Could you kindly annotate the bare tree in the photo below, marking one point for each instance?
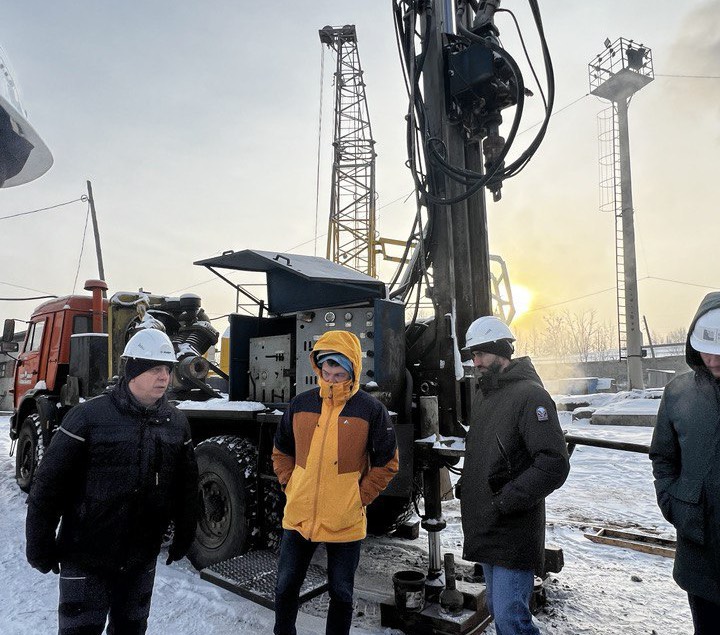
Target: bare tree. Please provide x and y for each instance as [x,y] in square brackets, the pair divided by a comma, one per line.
[569,336]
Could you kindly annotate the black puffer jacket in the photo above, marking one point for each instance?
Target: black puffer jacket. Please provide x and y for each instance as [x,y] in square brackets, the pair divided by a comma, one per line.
[515,456]
[116,473]
[685,452]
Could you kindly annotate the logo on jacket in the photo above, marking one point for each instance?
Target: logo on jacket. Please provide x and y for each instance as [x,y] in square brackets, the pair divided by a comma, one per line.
[542,413]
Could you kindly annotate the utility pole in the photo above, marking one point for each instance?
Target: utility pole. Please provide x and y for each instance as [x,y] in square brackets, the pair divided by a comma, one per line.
[616,74]
[96,232]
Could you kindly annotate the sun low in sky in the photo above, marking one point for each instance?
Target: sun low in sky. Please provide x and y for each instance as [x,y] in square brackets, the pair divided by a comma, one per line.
[522,300]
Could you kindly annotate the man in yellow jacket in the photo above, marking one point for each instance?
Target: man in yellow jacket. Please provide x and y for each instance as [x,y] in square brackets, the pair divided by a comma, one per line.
[335,451]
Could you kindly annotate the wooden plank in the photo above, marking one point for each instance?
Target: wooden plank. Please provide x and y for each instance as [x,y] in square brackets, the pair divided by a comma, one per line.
[646,543]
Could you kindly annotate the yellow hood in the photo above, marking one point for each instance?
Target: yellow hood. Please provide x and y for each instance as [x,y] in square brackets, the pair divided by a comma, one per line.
[345,343]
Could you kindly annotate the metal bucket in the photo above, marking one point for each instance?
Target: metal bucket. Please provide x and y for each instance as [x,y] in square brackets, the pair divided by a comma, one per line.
[409,590]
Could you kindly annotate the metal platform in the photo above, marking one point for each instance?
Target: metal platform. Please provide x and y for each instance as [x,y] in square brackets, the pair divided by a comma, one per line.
[431,621]
[253,576]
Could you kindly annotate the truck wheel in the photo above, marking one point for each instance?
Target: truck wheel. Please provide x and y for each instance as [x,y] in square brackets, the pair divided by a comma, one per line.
[274,507]
[30,451]
[227,491]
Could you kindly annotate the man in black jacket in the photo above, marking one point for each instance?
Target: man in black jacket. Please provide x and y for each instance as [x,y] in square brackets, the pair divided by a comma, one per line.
[685,454]
[119,469]
[515,456]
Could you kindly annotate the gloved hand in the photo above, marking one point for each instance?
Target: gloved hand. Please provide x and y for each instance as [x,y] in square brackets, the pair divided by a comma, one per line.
[458,489]
[45,566]
[173,555]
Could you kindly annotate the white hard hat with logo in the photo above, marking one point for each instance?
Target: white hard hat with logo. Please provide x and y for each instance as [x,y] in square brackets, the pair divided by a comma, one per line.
[705,337]
[23,154]
[486,329]
[150,344]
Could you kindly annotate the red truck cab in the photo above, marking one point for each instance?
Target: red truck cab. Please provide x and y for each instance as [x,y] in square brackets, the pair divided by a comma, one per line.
[42,371]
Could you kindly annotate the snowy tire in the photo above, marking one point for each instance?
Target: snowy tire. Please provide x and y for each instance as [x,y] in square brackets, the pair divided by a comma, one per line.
[227,491]
[273,509]
[29,452]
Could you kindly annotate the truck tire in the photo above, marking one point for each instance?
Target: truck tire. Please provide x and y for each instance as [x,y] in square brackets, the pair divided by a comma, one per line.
[227,491]
[29,452]
[273,510]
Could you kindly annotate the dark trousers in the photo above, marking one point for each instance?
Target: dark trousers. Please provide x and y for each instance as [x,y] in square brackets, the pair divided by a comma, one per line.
[705,615]
[87,598]
[295,556]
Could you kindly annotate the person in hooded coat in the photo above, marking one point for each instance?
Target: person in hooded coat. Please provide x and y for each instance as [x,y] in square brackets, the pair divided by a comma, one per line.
[334,452]
[515,456]
[685,455]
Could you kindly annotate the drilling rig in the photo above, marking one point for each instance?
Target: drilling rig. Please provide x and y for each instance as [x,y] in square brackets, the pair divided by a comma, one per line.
[460,80]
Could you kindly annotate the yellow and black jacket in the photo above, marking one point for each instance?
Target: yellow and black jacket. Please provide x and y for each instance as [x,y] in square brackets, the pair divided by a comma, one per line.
[335,451]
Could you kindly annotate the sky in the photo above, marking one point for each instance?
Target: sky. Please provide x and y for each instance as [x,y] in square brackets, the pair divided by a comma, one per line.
[197,124]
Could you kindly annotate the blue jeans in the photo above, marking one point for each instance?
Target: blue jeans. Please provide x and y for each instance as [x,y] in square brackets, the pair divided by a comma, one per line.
[508,595]
[295,556]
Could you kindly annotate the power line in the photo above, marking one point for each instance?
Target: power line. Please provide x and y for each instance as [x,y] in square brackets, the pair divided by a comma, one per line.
[17,286]
[82,248]
[588,295]
[690,76]
[557,112]
[687,284]
[582,297]
[36,297]
[44,209]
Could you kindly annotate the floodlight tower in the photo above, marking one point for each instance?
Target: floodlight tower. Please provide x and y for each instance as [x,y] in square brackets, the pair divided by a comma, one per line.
[616,74]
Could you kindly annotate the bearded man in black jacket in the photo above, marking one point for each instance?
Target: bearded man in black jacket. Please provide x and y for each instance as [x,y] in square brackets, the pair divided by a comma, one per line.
[515,456]
[119,469]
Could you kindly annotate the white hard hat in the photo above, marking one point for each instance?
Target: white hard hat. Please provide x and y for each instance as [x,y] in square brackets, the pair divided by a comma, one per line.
[23,153]
[705,337]
[487,329]
[150,344]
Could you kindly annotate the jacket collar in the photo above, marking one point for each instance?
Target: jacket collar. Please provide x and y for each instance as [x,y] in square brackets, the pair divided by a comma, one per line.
[126,402]
[337,393]
[519,369]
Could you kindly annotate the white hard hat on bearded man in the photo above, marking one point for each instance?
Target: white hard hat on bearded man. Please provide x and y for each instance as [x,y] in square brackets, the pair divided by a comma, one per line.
[486,329]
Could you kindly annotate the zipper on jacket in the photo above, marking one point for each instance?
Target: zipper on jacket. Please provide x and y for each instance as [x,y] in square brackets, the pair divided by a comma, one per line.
[504,454]
[157,464]
[320,462]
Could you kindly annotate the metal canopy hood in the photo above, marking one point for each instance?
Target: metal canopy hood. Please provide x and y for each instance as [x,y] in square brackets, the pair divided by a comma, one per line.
[298,283]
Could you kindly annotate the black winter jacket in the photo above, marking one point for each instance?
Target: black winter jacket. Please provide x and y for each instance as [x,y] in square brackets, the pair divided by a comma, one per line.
[116,473]
[685,452]
[515,456]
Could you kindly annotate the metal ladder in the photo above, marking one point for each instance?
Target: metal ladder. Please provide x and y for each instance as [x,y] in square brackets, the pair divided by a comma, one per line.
[611,201]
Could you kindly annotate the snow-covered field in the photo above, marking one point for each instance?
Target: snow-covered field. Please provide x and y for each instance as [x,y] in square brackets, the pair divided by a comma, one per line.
[602,590]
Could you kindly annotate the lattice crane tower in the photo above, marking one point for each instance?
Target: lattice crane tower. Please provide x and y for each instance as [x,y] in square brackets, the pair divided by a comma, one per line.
[351,229]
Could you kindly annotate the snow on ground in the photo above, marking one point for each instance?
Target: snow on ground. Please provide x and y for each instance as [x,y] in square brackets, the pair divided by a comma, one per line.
[221,404]
[602,590]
